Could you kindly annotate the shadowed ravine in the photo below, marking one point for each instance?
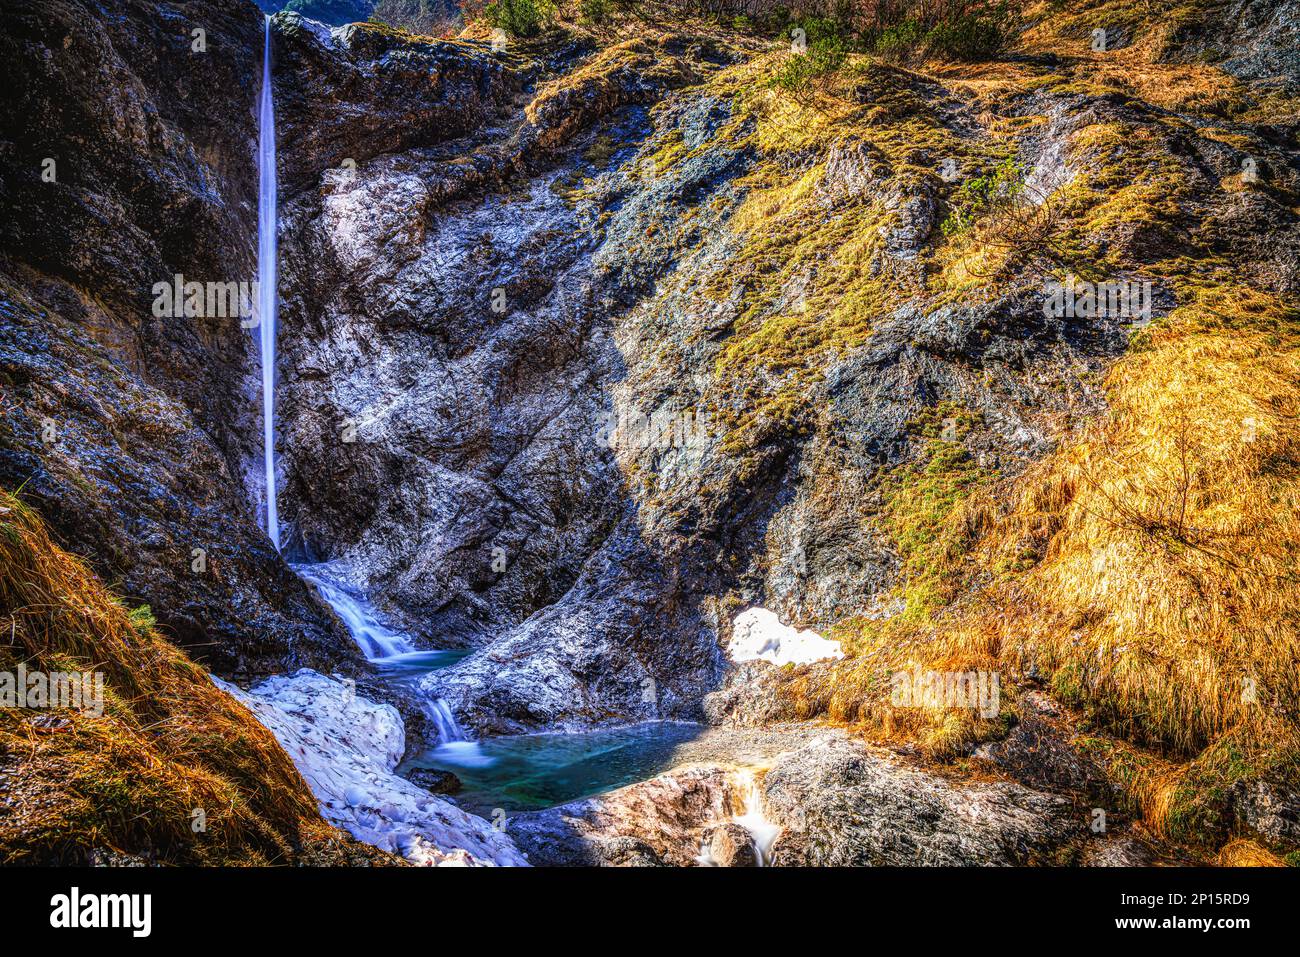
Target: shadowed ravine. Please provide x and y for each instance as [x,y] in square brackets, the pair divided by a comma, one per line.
[669,434]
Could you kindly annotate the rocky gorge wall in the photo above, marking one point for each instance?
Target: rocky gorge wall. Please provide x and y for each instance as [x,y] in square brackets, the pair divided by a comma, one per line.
[593,341]
[130,159]
[522,398]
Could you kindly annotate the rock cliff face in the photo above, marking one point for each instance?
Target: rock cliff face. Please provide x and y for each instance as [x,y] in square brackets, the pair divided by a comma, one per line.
[511,402]
[589,343]
[129,142]
[447,378]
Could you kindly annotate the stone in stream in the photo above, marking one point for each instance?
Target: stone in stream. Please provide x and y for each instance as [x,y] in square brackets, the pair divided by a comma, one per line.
[655,823]
[435,781]
[730,845]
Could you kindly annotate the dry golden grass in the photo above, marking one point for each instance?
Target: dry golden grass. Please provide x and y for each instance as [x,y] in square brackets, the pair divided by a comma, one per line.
[1161,592]
[1168,588]
[168,742]
[1243,853]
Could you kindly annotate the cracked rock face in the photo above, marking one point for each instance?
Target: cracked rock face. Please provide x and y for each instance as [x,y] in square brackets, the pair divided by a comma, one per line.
[497,404]
[135,433]
[840,804]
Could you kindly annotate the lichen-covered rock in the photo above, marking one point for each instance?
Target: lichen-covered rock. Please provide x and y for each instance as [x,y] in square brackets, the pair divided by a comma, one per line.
[840,803]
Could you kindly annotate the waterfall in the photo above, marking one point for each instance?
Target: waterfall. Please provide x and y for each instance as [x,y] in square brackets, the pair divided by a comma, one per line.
[439,714]
[744,783]
[379,643]
[386,648]
[266,286]
[754,819]
[375,640]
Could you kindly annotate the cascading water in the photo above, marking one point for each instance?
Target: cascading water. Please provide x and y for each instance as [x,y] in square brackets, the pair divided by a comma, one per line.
[392,652]
[754,820]
[381,645]
[375,640]
[266,280]
[763,832]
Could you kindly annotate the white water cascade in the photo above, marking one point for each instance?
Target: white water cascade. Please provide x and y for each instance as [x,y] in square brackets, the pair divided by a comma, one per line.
[266,280]
[754,820]
[388,649]
[376,641]
[762,831]
[379,643]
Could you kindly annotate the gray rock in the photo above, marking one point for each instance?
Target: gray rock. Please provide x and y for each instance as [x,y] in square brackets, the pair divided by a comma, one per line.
[434,781]
[1120,851]
[1270,809]
[730,845]
[656,822]
[840,803]
[1039,752]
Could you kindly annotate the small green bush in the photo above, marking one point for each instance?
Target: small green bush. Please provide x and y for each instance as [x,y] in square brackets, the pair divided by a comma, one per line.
[519,18]
[982,196]
[966,38]
[900,41]
[979,34]
[595,11]
[804,74]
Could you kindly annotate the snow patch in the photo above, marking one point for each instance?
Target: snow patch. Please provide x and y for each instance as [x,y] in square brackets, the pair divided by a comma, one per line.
[758,635]
[346,748]
[325,35]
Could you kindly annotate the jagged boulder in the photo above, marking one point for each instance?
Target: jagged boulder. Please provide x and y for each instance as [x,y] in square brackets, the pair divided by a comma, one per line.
[660,822]
[730,845]
[840,803]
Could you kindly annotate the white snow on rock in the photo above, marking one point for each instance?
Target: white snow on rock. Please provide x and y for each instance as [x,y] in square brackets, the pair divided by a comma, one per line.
[325,35]
[346,748]
[759,635]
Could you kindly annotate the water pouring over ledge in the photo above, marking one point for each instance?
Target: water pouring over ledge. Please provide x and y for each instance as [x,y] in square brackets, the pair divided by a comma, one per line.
[390,651]
[266,280]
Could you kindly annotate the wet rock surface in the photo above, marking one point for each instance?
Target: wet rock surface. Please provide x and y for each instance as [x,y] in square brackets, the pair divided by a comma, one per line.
[730,845]
[657,823]
[435,781]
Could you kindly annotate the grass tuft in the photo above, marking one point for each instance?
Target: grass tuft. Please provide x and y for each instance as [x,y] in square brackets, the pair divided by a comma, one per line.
[169,751]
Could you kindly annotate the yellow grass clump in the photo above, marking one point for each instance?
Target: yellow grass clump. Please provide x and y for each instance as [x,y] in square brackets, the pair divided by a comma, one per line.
[172,771]
[1168,590]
